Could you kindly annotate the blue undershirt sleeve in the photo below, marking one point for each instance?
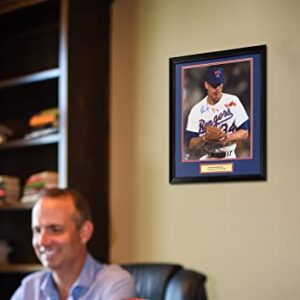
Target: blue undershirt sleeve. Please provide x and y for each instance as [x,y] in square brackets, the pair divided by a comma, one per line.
[189,135]
[244,126]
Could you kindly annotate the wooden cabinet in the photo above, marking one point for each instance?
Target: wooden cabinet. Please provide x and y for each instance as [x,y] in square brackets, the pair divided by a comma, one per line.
[55,53]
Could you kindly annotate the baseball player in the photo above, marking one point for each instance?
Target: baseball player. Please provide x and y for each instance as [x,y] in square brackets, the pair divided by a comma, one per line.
[224,112]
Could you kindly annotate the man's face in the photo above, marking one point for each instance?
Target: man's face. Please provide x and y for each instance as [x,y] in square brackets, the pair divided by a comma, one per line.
[214,93]
[57,242]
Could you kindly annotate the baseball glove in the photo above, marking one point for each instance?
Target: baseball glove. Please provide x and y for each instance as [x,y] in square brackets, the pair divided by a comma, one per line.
[214,135]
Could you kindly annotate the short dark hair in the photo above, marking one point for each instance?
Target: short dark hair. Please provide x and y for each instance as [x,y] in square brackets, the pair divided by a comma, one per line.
[80,202]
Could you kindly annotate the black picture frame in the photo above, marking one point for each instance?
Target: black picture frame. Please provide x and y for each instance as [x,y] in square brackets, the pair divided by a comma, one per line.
[244,76]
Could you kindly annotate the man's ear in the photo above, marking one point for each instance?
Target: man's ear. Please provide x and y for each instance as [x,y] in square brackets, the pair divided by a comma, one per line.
[86,231]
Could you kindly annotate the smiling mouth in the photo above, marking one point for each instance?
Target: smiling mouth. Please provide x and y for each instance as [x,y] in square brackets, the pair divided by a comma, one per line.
[46,254]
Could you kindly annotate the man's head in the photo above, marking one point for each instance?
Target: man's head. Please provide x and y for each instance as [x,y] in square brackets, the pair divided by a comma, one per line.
[214,83]
[62,227]
[215,76]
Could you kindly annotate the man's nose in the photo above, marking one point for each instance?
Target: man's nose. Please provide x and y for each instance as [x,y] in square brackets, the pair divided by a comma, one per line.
[44,238]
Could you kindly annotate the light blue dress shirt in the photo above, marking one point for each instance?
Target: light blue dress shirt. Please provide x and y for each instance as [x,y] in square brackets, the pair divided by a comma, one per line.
[96,282]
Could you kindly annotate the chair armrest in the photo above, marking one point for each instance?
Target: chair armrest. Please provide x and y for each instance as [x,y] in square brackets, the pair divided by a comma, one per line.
[152,279]
[186,285]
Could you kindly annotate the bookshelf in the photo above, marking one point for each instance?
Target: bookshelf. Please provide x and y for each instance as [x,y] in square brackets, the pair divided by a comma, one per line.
[55,53]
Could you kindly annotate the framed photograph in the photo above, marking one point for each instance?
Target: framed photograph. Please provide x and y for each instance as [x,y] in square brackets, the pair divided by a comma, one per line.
[218,116]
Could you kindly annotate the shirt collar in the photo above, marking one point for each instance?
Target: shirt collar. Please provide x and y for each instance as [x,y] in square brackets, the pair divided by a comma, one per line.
[82,283]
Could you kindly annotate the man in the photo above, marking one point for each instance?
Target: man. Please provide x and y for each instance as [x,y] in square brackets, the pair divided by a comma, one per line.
[220,110]
[62,226]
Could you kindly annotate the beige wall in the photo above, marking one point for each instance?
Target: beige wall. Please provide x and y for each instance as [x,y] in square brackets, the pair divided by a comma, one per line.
[244,236]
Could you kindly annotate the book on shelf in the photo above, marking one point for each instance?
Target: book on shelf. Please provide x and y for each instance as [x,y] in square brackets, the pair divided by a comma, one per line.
[5,133]
[43,123]
[37,183]
[9,188]
[44,117]
[40,132]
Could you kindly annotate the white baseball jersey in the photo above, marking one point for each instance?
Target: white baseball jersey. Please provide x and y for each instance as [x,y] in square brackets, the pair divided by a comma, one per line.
[228,114]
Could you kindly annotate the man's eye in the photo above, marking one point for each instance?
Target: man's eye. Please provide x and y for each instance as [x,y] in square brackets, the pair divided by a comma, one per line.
[36,230]
[56,229]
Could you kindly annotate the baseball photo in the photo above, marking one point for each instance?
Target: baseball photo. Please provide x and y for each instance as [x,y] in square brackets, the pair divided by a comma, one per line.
[217,111]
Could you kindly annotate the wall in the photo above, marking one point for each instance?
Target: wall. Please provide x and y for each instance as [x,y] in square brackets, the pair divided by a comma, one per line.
[244,236]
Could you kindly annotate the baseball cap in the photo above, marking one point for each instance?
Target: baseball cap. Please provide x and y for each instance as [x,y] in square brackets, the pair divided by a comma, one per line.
[215,76]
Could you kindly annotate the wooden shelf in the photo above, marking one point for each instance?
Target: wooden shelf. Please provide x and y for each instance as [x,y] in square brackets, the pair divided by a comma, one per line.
[19,268]
[15,206]
[44,140]
[11,5]
[30,78]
